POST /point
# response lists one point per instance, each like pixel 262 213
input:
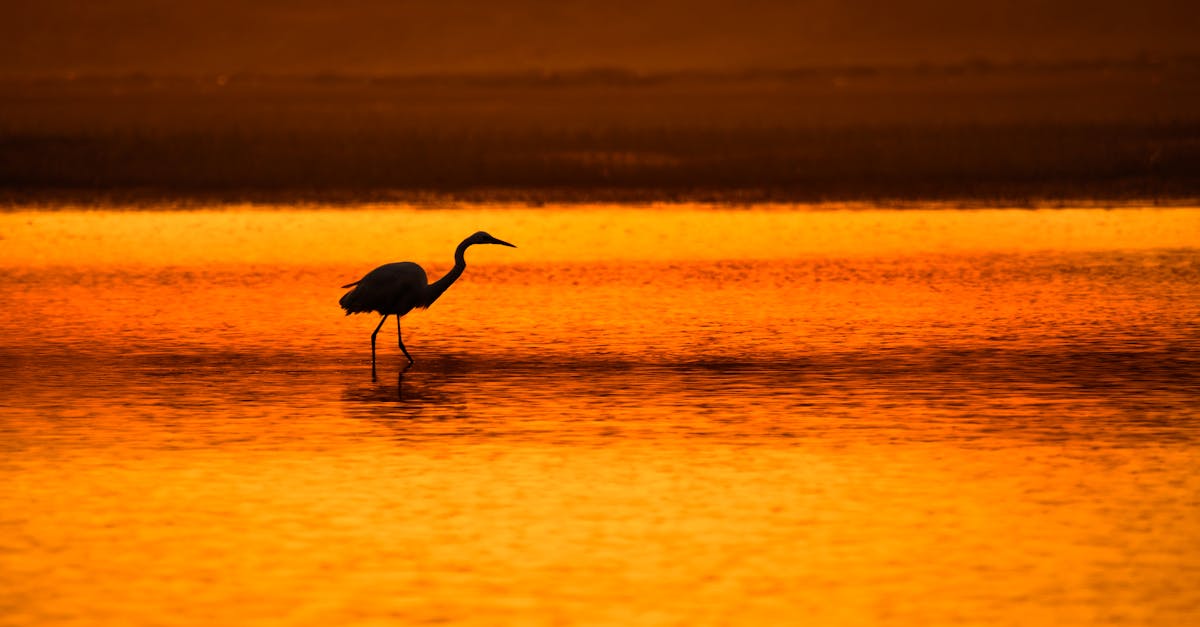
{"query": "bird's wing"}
pixel 392 288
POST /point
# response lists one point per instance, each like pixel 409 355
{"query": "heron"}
pixel 395 289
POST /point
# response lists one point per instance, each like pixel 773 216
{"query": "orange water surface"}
pixel 679 415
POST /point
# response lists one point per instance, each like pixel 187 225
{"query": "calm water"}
pixel 685 416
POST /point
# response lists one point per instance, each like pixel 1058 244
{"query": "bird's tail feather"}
pixel 351 284
pixel 347 301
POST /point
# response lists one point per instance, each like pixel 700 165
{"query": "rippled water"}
pixel 637 417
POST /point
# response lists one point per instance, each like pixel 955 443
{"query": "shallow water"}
pixel 638 417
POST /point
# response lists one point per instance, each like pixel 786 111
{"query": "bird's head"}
pixel 483 238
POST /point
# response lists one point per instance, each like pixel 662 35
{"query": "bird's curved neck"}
pixel 439 287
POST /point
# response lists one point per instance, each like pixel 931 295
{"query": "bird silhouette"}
pixel 395 289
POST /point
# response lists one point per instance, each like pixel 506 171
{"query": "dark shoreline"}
pixel 157 199
pixel 997 164
pixel 1014 136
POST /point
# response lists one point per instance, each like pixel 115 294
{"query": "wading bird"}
pixel 395 289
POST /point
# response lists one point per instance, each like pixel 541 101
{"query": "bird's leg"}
pixel 400 339
pixel 383 320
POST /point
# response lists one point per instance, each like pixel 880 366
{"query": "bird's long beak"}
pixel 503 243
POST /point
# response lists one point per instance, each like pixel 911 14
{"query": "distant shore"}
pixel 997 135
pixel 159 199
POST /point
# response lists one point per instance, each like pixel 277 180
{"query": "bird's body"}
pixel 394 289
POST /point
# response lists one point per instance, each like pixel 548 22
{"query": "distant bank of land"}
pixel 1011 134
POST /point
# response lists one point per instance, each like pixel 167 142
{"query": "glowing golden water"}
pixel 651 416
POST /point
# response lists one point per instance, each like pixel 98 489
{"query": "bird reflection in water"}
pixel 394 289
pixel 408 396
